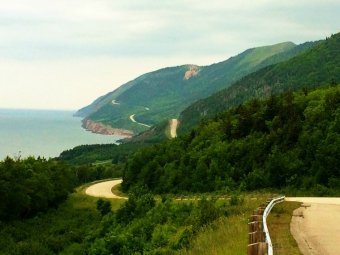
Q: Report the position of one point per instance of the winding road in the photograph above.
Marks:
(103, 189)
(316, 225)
(132, 118)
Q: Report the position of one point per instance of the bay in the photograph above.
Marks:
(44, 133)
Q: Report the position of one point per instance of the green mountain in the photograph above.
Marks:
(291, 140)
(163, 94)
(314, 67)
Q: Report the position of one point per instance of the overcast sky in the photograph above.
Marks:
(64, 54)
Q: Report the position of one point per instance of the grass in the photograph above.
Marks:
(116, 190)
(279, 228)
(227, 235)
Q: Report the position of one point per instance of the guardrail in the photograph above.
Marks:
(259, 238)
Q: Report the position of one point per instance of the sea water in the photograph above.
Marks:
(44, 133)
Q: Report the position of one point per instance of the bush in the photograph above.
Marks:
(104, 207)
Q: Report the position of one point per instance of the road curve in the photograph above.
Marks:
(103, 189)
(316, 225)
(132, 118)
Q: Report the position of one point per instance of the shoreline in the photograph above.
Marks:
(100, 128)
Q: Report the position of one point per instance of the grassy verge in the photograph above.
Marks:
(279, 228)
(227, 235)
(116, 190)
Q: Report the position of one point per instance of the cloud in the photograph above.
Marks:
(143, 34)
(74, 28)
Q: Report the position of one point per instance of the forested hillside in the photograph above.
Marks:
(163, 94)
(31, 186)
(87, 154)
(317, 66)
(292, 140)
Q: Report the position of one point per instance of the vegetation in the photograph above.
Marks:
(31, 186)
(288, 141)
(160, 95)
(155, 134)
(313, 67)
(145, 226)
(61, 230)
(226, 235)
(279, 228)
(142, 225)
(87, 154)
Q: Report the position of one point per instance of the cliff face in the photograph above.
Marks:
(100, 128)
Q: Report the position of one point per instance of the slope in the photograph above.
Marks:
(163, 94)
(291, 140)
(316, 66)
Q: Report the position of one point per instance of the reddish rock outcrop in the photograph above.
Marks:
(100, 128)
(191, 72)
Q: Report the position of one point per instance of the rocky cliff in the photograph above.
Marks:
(100, 128)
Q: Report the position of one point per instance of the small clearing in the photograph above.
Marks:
(315, 225)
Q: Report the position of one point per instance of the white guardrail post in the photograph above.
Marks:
(265, 227)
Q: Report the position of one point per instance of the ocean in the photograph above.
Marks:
(44, 133)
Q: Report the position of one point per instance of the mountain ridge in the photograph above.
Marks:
(316, 66)
(162, 94)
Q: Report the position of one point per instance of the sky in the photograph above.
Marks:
(64, 54)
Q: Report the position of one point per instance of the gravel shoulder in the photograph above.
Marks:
(315, 225)
(103, 189)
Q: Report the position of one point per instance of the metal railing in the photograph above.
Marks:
(259, 238)
(265, 227)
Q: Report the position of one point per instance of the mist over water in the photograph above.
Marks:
(44, 133)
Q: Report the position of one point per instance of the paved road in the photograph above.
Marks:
(316, 226)
(132, 118)
(103, 189)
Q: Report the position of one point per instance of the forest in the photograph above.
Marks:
(89, 154)
(31, 186)
(292, 140)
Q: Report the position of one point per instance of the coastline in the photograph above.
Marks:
(100, 128)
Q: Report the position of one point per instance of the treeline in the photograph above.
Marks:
(292, 140)
(87, 154)
(32, 185)
(29, 186)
